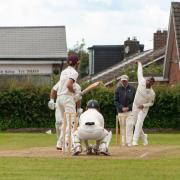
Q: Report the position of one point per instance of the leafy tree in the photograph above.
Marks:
(83, 55)
(151, 70)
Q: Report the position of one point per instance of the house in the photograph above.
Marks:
(172, 57)
(166, 52)
(148, 57)
(102, 57)
(36, 50)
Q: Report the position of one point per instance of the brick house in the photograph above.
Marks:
(172, 57)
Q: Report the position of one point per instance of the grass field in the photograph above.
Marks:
(160, 160)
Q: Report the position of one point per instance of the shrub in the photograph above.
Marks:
(27, 107)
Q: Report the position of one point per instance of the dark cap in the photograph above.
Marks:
(92, 104)
(72, 59)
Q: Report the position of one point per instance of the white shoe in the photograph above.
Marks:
(134, 143)
(58, 147)
(129, 145)
(77, 151)
(145, 141)
(104, 152)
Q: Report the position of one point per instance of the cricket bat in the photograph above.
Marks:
(90, 87)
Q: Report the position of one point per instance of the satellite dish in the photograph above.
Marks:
(127, 49)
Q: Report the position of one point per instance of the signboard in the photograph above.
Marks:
(25, 69)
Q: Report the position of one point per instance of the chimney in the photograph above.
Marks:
(132, 46)
(160, 38)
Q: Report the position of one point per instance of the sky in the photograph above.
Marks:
(98, 22)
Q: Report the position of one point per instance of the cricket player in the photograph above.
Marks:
(67, 96)
(52, 106)
(91, 127)
(144, 98)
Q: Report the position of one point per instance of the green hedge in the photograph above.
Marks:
(27, 107)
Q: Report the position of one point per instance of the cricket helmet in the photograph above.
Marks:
(93, 104)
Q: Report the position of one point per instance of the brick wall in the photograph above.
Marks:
(174, 74)
(160, 38)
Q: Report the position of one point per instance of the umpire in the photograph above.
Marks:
(123, 100)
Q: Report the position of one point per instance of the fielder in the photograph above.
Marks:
(52, 106)
(91, 127)
(67, 96)
(144, 98)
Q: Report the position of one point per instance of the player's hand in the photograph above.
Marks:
(137, 61)
(51, 104)
(141, 107)
(77, 97)
(79, 111)
(125, 109)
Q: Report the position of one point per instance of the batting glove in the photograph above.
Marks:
(51, 104)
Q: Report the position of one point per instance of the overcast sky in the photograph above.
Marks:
(98, 22)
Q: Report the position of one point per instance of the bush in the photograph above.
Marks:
(27, 107)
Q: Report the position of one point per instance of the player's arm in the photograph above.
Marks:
(133, 95)
(72, 79)
(117, 103)
(151, 102)
(140, 73)
(53, 95)
(70, 85)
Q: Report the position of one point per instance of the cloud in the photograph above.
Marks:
(103, 26)
(106, 2)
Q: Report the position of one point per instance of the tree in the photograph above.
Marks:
(83, 55)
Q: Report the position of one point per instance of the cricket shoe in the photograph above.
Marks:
(59, 148)
(96, 150)
(145, 141)
(104, 151)
(129, 144)
(89, 150)
(134, 143)
(77, 150)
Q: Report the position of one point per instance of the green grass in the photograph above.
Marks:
(73, 169)
(25, 140)
(28, 140)
(52, 168)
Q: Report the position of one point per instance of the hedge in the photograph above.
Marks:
(27, 107)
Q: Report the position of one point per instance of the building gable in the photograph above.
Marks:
(172, 58)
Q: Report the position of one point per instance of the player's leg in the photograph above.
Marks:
(130, 123)
(70, 110)
(105, 141)
(138, 127)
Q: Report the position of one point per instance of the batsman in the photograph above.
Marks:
(66, 94)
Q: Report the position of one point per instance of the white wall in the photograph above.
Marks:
(23, 69)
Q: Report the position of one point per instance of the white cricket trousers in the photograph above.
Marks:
(66, 104)
(136, 120)
(90, 132)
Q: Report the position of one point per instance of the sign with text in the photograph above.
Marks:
(25, 69)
